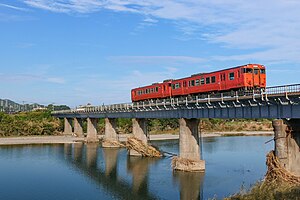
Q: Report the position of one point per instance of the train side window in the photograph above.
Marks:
(192, 83)
(173, 86)
(262, 71)
(231, 76)
(202, 81)
(207, 80)
(197, 82)
(184, 83)
(213, 79)
(177, 85)
(156, 89)
(239, 73)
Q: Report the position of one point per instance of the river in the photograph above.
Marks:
(88, 172)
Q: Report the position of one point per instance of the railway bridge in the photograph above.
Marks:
(281, 103)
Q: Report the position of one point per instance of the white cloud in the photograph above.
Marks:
(266, 26)
(13, 7)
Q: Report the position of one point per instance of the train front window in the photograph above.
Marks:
(262, 71)
(256, 71)
(248, 70)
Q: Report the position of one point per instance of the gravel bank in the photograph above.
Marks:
(72, 139)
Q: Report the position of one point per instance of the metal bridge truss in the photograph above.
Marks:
(274, 102)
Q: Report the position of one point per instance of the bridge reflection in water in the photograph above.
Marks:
(85, 159)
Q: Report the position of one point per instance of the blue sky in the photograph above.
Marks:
(94, 51)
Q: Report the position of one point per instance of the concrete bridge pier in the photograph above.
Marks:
(110, 133)
(189, 146)
(78, 130)
(68, 130)
(287, 144)
(92, 130)
(139, 130)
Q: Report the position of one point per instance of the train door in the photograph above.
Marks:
(223, 81)
(184, 88)
(256, 77)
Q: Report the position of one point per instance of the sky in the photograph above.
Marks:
(76, 52)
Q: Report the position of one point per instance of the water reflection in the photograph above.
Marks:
(111, 158)
(190, 184)
(86, 171)
(108, 177)
(138, 167)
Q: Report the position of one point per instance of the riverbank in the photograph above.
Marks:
(62, 139)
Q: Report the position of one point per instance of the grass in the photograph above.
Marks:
(269, 191)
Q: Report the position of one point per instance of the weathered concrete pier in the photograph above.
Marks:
(287, 144)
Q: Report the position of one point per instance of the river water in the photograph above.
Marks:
(88, 172)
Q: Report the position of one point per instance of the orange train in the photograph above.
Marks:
(245, 77)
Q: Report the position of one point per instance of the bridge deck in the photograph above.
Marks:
(275, 102)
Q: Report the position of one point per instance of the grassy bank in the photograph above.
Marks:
(29, 123)
(270, 191)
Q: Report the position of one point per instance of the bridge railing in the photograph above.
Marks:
(178, 102)
(295, 88)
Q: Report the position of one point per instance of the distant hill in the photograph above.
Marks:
(10, 106)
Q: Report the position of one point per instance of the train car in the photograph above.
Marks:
(245, 77)
(154, 91)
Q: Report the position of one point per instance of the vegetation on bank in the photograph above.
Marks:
(29, 123)
(270, 191)
(279, 183)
